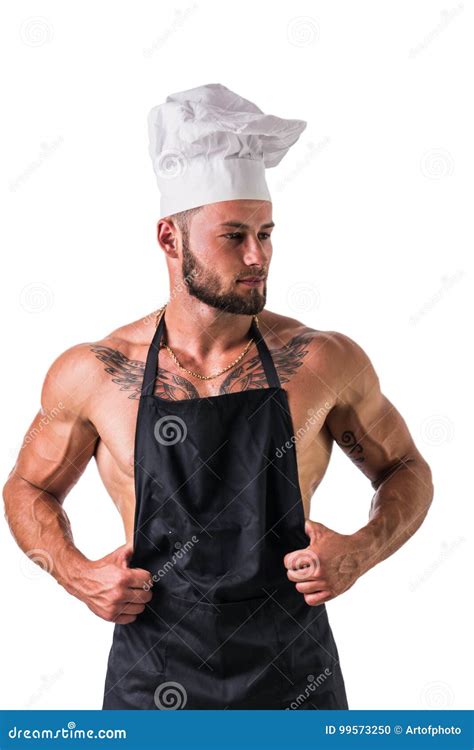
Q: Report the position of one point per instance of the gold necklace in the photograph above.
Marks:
(197, 374)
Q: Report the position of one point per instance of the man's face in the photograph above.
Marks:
(228, 242)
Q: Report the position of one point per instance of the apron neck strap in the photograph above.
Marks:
(151, 366)
(267, 361)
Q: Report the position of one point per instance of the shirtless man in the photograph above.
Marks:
(93, 389)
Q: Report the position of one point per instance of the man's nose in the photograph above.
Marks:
(254, 252)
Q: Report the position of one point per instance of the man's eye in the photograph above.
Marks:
(239, 235)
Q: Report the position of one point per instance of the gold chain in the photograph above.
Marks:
(197, 374)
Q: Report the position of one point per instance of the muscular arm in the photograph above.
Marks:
(373, 434)
(57, 448)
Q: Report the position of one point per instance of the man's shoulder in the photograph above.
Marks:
(282, 329)
(77, 374)
(71, 377)
(137, 333)
(327, 353)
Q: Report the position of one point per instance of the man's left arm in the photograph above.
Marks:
(373, 434)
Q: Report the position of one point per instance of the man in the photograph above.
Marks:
(212, 424)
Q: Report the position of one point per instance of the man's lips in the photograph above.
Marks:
(252, 281)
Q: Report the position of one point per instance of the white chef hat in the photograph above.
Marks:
(209, 144)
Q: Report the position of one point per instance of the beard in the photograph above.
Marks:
(206, 286)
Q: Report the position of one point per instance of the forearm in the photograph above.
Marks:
(398, 509)
(42, 530)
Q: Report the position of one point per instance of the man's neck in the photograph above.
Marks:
(202, 331)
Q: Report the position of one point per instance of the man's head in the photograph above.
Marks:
(214, 247)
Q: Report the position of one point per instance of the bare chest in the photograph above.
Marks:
(114, 413)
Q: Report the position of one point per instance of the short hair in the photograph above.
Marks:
(183, 220)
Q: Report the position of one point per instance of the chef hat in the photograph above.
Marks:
(209, 144)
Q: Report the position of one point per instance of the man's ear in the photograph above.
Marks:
(167, 236)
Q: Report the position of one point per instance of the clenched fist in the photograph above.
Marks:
(111, 589)
(328, 566)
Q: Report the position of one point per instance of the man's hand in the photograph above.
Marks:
(110, 588)
(327, 567)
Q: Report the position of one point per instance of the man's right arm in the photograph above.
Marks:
(57, 447)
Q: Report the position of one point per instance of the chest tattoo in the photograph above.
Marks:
(128, 373)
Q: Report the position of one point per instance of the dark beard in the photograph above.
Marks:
(205, 286)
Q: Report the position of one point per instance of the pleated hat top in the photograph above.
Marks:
(208, 144)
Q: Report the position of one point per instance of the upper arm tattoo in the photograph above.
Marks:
(355, 450)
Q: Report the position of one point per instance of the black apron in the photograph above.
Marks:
(218, 506)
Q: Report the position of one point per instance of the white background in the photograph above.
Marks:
(372, 239)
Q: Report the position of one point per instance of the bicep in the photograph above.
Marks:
(365, 424)
(60, 440)
(55, 451)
